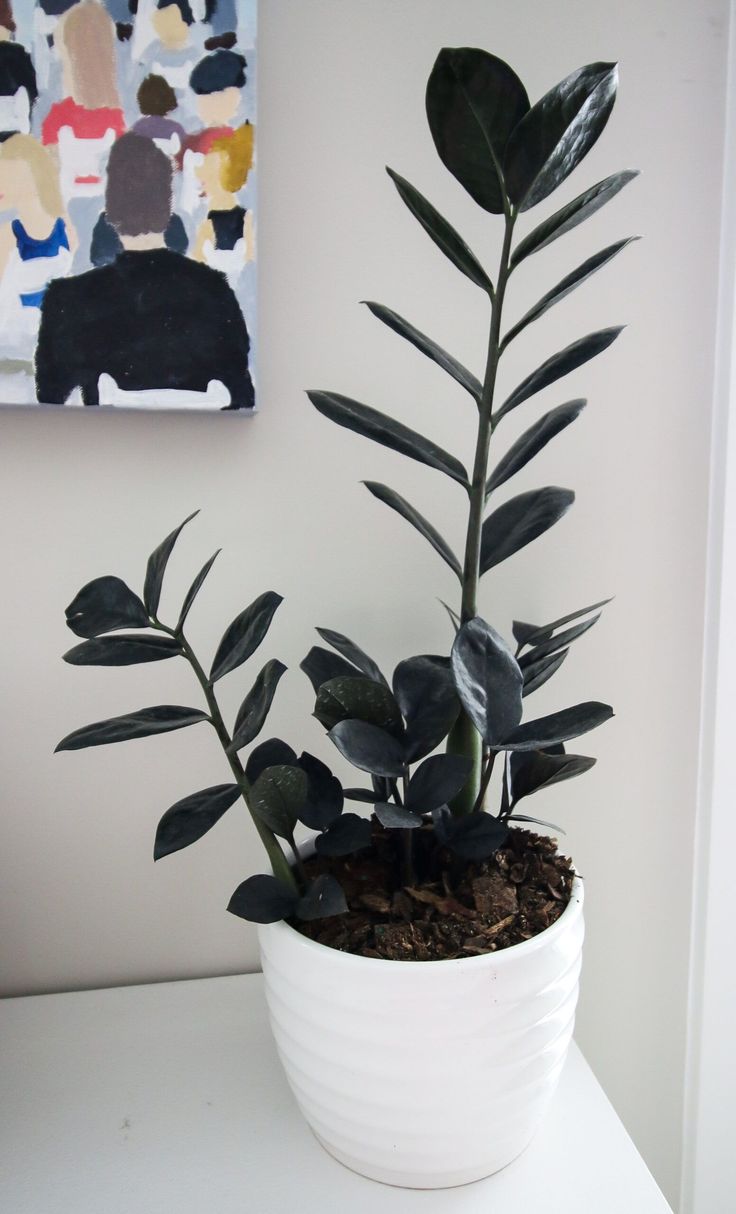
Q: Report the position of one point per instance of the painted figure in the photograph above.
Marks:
(157, 101)
(174, 52)
(152, 319)
(18, 88)
(36, 245)
(224, 239)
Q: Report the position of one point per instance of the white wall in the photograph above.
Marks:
(82, 494)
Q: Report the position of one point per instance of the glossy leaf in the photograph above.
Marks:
(532, 441)
(520, 521)
(425, 692)
(369, 748)
(559, 365)
(570, 216)
(344, 835)
(475, 836)
(563, 288)
(425, 528)
(396, 817)
(537, 673)
(367, 795)
(455, 369)
(442, 233)
(271, 753)
(324, 898)
(557, 642)
(353, 653)
(325, 797)
(488, 680)
(533, 634)
(156, 567)
(559, 727)
(436, 781)
(122, 650)
(263, 899)
(245, 634)
(474, 101)
(554, 136)
(388, 432)
(536, 822)
(105, 605)
(255, 707)
(360, 699)
(195, 588)
(141, 724)
(532, 772)
(320, 665)
(278, 796)
(192, 817)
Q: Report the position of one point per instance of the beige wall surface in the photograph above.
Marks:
(341, 95)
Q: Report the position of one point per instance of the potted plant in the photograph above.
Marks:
(422, 962)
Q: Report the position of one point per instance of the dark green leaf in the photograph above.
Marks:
(323, 899)
(425, 692)
(271, 753)
(559, 365)
(245, 634)
(532, 441)
(566, 285)
(474, 102)
(369, 748)
(454, 617)
(475, 836)
(192, 817)
(255, 707)
(533, 634)
(195, 588)
(436, 782)
(519, 521)
(557, 642)
(425, 528)
(320, 665)
(105, 605)
(367, 795)
(161, 719)
(444, 360)
(559, 727)
(557, 132)
(387, 431)
(488, 680)
(346, 834)
(360, 699)
(122, 650)
(263, 899)
(571, 215)
(536, 821)
(537, 673)
(156, 568)
(533, 771)
(278, 796)
(442, 233)
(353, 653)
(396, 817)
(325, 797)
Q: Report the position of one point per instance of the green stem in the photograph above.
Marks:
(485, 781)
(279, 864)
(407, 842)
(464, 738)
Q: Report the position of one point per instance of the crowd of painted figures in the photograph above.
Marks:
(126, 221)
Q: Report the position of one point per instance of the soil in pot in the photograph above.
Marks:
(452, 909)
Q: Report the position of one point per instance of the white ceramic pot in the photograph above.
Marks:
(424, 1074)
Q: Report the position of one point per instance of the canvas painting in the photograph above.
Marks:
(127, 203)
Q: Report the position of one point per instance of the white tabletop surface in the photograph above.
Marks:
(169, 1099)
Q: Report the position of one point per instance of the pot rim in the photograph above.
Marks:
(499, 958)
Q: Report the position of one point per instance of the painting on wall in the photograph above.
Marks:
(127, 203)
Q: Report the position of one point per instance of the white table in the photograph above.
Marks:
(169, 1099)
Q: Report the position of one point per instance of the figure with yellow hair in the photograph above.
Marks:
(225, 238)
(36, 245)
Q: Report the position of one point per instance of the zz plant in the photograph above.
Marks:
(509, 156)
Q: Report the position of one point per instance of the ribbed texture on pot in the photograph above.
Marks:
(424, 1074)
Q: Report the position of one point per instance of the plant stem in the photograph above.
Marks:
(485, 781)
(407, 842)
(464, 738)
(279, 864)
